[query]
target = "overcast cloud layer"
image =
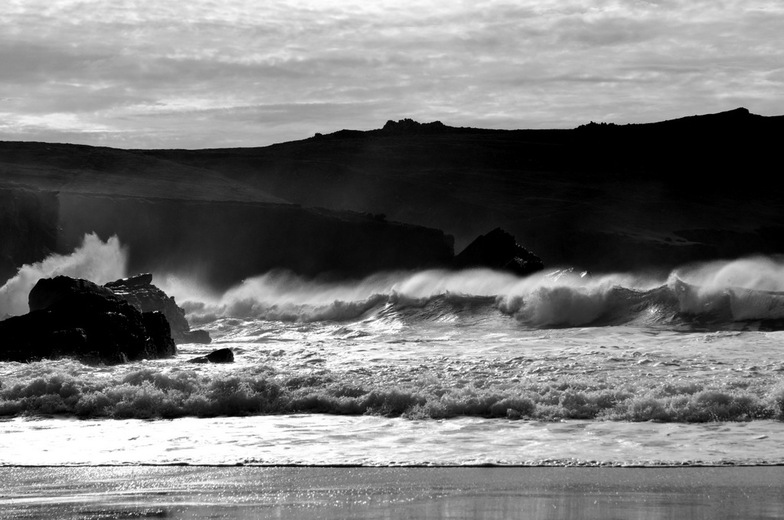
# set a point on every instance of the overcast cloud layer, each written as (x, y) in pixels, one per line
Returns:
(215, 73)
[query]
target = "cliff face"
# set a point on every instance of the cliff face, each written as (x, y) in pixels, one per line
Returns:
(601, 196)
(225, 242)
(222, 242)
(28, 228)
(181, 218)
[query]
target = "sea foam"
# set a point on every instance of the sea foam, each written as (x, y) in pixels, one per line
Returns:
(156, 392)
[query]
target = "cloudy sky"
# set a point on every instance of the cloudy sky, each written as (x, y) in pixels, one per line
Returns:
(215, 73)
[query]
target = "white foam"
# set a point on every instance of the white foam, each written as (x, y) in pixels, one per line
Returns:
(93, 260)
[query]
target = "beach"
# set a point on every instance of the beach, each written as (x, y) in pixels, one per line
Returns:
(360, 492)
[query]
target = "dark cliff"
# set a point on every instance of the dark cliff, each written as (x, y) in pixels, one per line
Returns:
(601, 196)
(186, 219)
(221, 242)
(28, 228)
(225, 242)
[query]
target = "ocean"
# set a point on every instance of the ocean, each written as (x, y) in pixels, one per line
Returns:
(426, 368)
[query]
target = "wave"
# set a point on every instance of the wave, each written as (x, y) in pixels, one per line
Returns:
(718, 294)
(284, 296)
(146, 393)
(743, 292)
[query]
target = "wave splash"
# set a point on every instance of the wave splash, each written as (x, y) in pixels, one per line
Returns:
(93, 260)
(716, 293)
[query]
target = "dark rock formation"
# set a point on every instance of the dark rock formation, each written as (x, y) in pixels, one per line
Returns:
(224, 355)
(62, 291)
(70, 317)
(159, 338)
(499, 250)
(146, 297)
(409, 126)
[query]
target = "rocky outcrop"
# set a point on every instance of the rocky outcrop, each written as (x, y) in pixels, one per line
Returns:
(77, 318)
(223, 355)
(409, 126)
(499, 250)
(146, 297)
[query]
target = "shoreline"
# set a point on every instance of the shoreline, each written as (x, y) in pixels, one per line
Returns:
(370, 441)
(392, 492)
(555, 464)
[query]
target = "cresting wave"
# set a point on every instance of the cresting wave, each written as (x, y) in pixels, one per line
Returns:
(747, 292)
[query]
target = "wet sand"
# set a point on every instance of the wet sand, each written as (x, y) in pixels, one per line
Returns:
(362, 492)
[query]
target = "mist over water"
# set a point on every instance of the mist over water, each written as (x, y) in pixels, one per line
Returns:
(285, 296)
(758, 273)
(93, 260)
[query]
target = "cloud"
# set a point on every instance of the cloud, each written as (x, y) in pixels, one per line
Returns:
(157, 73)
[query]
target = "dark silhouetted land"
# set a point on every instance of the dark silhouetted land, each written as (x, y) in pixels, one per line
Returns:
(600, 196)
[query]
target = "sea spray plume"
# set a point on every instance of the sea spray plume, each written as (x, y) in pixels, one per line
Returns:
(759, 273)
(93, 260)
(469, 282)
(285, 296)
(281, 295)
(741, 290)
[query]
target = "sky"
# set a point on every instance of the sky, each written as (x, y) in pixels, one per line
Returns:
(221, 73)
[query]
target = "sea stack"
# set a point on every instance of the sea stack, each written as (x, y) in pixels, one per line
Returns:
(499, 250)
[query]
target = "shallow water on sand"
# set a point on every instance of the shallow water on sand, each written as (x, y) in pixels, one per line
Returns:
(444, 493)
(317, 439)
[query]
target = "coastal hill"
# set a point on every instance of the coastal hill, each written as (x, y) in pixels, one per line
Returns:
(600, 197)
(176, 218)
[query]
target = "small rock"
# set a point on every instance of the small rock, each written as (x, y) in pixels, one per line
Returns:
(224, 355)
(499, 250)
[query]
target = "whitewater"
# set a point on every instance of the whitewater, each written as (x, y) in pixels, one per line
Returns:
(433, 367)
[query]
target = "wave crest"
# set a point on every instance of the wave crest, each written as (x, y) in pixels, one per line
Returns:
(560, 298)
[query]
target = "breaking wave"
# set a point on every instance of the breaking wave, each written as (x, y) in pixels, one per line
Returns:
(714, 294)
